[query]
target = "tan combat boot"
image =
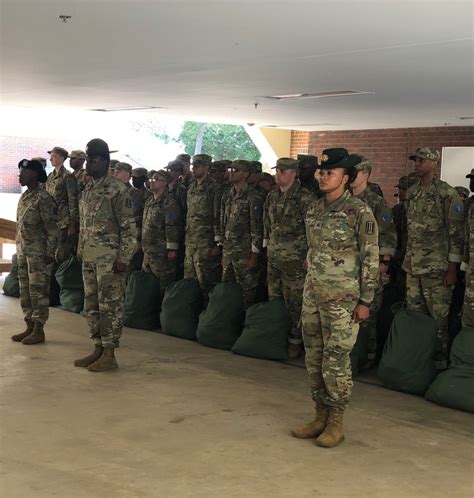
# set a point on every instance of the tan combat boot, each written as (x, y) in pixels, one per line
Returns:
(294, 351)
(332, 435)
(106, 362)
(36, 336)
(29, 329)
(88, 360)
(316, 427)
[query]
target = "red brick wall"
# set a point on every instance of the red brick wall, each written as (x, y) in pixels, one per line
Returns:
(13, 149)
(388, 149)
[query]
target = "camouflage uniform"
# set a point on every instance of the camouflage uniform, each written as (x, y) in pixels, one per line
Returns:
(285, 240)
(468, 307)
(107, 235)
(343, 261)
(202, 234)
(242, 235)
(375, 187)
(163, 226)
(138, 198)
(80, 175)
(62, 186)
(387, 245)
(36, 237)
(435, 237)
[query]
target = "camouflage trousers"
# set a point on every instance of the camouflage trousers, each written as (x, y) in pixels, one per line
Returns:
(235, 270)
(66, 245)
(286, 282)
(34, 278)
(103, 300)
(163, 269)
(329, 336)
(427, 294)
(200, 265)
(370, 325)
(468, 306)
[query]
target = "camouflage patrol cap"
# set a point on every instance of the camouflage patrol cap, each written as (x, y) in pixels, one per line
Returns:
(183, 157)
(471, 174)
(60, 151)
(151, 173)
(462, 191)
(407, 181)
(220, 165)
(256, 166)
(176, 165)
(164, 174)
(202, 160)
(305, 160)
(364, 165)
(285, 163)
(120, 166)
(77, 154)
(139, 172)
(425, 153)
(240, 165)
(113, 163)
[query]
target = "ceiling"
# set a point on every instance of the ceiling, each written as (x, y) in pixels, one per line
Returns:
(212, 60)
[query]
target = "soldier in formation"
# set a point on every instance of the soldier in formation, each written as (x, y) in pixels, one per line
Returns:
(77, 159)
(307, 174)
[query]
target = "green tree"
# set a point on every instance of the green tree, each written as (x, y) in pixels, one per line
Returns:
(220, 141)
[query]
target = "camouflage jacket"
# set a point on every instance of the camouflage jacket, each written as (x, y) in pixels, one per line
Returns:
(187, 180)
(179, 193)
(375, 188)
(62, 186)
(312, 185)
(80, 175)
(284, 230)
(163, 225)
(37, 224)
(435, 221)
(383, 215)
(203, 216)
(399, 214)
(343, 255)
(107, 225)
(138, 197)
(258, 190)
(242, 222)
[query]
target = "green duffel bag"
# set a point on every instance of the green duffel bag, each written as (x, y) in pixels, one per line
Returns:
(221, 323)
(72, 299)
(180, 309)
(407, 363)
(455, 387)
(11, 284)
(266, 330)
(69, 278)
(141, 305)
(360, 350)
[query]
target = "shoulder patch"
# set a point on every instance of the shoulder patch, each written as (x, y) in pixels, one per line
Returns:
(386, 218)
(458, 208)
(369, 227)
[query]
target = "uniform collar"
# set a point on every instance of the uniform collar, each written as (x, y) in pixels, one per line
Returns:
(338, 203)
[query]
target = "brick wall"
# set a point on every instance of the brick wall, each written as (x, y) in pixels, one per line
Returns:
(388, 149)
(13, 149)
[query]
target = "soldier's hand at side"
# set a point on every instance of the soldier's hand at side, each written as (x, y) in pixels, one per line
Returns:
(71, 230)
(119, 267)
(383, 268)
(171, 255)
(252, 262)
(216, 251)
(305, 264)
(360, 313)
(47, 260)
(450, 278)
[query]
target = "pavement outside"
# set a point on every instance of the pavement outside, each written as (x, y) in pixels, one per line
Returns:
(182, 420)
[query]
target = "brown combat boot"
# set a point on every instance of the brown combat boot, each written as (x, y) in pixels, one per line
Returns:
(29, 329)
(106, 362)
(36, 336)
(88, 360)
(294, 351)
(332, 435)
(315, 427)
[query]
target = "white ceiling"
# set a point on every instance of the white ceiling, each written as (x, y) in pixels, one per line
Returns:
(211, 60)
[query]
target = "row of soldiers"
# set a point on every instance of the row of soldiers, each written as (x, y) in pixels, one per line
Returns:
(324, 247)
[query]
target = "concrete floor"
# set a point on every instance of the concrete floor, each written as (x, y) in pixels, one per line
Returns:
(180, 420)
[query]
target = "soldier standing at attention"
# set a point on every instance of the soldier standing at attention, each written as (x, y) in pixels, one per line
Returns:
(187, 177)
(106, 243)
(36, 237)
(163, 226)
(435, 245)
(203, 255)
(285, 240)
(255, 177)
(387, 246)
(306, 174)
(468, 306)
(343, 263)
(62, 186)
(77, 158)
(242, 232)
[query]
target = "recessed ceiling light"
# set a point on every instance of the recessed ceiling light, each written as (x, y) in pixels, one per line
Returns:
(137, 108)
(316, 95)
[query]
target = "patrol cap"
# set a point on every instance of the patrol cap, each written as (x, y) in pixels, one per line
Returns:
(183, 157)
(139, 172)
(98, 147)
(240, 165)
(305, 160)
(462, 191)
(120, 166)
(151, 173)
(402, 182)
(267, 177)
(425, 153)
(34, 165)
(77, 154)
(471, 174)
(176, 165)
(227, 162)
(164, 174)
(60, 151)
(202, 160)
(364, 165)
(256, 166)
(112, 163)
(220, 165)
(285, 163)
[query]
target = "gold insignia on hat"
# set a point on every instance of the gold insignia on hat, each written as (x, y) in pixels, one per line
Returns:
(324, 158)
